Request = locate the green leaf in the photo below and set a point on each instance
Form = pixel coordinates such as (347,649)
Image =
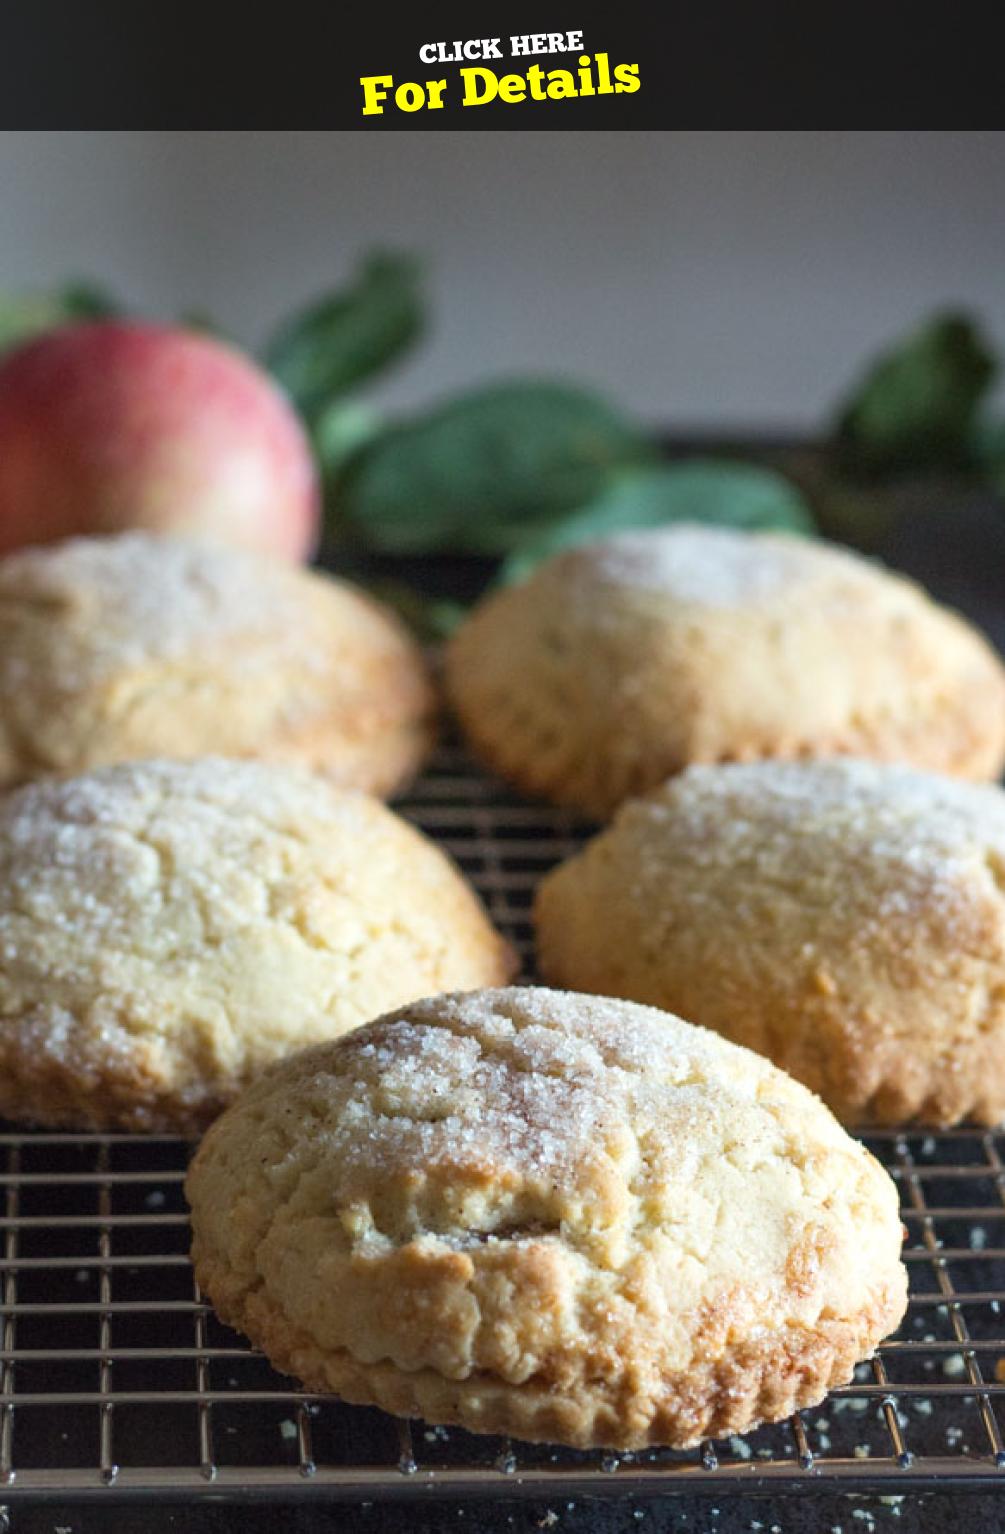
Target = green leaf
(30,314)
(341,431)
(700,490)
(88,301)
(350,334)
(989,452)
(432,618)
(917,405)
(488,469)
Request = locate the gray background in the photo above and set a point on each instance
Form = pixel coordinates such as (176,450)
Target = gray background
(705,278)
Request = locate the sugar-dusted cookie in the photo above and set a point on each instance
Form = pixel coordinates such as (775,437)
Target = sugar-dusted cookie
(844,918)
(561,1217)
(167,929)
(140,646)
(623,661)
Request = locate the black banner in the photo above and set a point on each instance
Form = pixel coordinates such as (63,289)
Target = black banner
(770,65)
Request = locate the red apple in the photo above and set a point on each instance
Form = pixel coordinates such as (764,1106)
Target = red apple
(114,425)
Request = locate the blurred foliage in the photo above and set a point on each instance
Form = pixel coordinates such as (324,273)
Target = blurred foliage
(698,490)
(488,470)
(350,335)
(25,315)
(432,618)
(340,431)
(917,407)
(989,452)
(517,470)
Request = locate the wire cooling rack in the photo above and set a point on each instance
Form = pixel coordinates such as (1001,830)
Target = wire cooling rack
(118,1382)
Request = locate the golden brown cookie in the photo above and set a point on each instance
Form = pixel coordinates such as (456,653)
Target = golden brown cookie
(846,919)
(621,662)
(113,649)
(167,929)
(561,1217)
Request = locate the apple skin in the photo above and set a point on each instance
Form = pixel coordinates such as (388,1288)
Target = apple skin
(111,425)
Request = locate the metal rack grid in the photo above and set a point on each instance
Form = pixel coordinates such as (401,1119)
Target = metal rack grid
(118,1381)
